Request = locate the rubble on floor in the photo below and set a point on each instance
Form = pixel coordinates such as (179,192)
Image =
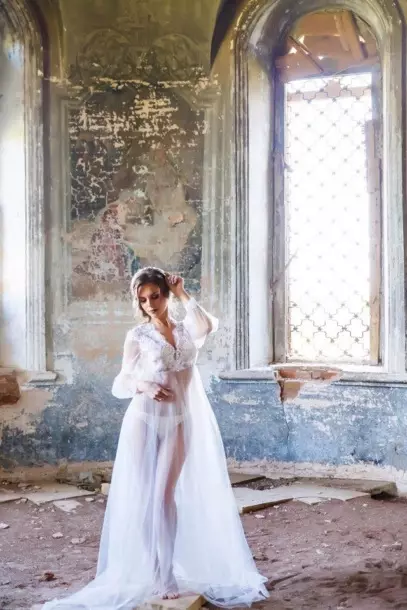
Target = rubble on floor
(333,554)
(307,491)
(253,492)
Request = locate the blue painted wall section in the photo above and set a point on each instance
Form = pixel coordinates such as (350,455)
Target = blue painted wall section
(337,424)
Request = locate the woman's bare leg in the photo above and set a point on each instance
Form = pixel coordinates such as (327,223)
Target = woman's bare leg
(171,458)
(146,435)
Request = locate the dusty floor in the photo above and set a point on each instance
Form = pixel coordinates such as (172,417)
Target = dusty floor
(325,557)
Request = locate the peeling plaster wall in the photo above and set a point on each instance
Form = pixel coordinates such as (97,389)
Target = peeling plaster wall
(126,110)
(338,424)
(127,133)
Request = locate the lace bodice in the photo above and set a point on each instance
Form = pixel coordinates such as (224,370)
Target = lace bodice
(157,355)
(148,356)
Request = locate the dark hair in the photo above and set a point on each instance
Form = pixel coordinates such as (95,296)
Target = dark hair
(148,275)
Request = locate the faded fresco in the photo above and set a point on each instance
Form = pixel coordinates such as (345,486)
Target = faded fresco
(136,159)
(135,196)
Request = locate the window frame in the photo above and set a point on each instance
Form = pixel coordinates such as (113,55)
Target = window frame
(238,252)
(279,237)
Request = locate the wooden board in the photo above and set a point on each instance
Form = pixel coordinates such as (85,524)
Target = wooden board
(237,478)
(373,488)
(50,492)
(8,496)
(105,489)
(349,34)
(249,500)
(328,43)
(187,602)
(316,24)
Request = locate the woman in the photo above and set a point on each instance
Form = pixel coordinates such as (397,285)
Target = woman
(171,525)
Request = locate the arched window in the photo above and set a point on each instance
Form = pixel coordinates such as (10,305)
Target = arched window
(305,186)
(327,289)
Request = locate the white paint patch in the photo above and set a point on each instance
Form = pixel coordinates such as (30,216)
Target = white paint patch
(236,399)
(323,428)
(313,403)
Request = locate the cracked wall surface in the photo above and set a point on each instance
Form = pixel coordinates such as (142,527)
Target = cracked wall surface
(338,424)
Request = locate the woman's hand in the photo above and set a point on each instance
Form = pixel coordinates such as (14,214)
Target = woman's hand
(155,391)
(177,287)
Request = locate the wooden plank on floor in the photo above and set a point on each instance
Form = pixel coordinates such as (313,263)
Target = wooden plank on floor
(311,501)
(237,478)
(371,487)
(49,492)
(249,500)
(186,602)
(105,489)
(309,490)
(8,496)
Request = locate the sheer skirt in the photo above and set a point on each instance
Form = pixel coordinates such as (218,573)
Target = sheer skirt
(171,520)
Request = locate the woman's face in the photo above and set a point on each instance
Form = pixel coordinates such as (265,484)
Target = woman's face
(152,301)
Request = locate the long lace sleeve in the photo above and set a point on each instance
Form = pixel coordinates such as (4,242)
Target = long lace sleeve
(199,322)
(125,384)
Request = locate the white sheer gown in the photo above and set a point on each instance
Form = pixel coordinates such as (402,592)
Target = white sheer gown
(171,519)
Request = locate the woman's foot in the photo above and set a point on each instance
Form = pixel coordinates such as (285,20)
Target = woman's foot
(170,589)
(171,595)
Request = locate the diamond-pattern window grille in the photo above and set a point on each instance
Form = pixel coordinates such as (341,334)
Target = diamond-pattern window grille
(332,223)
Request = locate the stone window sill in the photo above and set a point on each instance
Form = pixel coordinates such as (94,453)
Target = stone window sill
(28,378)
(350,375)
(43,378)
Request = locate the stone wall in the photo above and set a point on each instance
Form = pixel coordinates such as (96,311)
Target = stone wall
(125,101)
(128,91)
